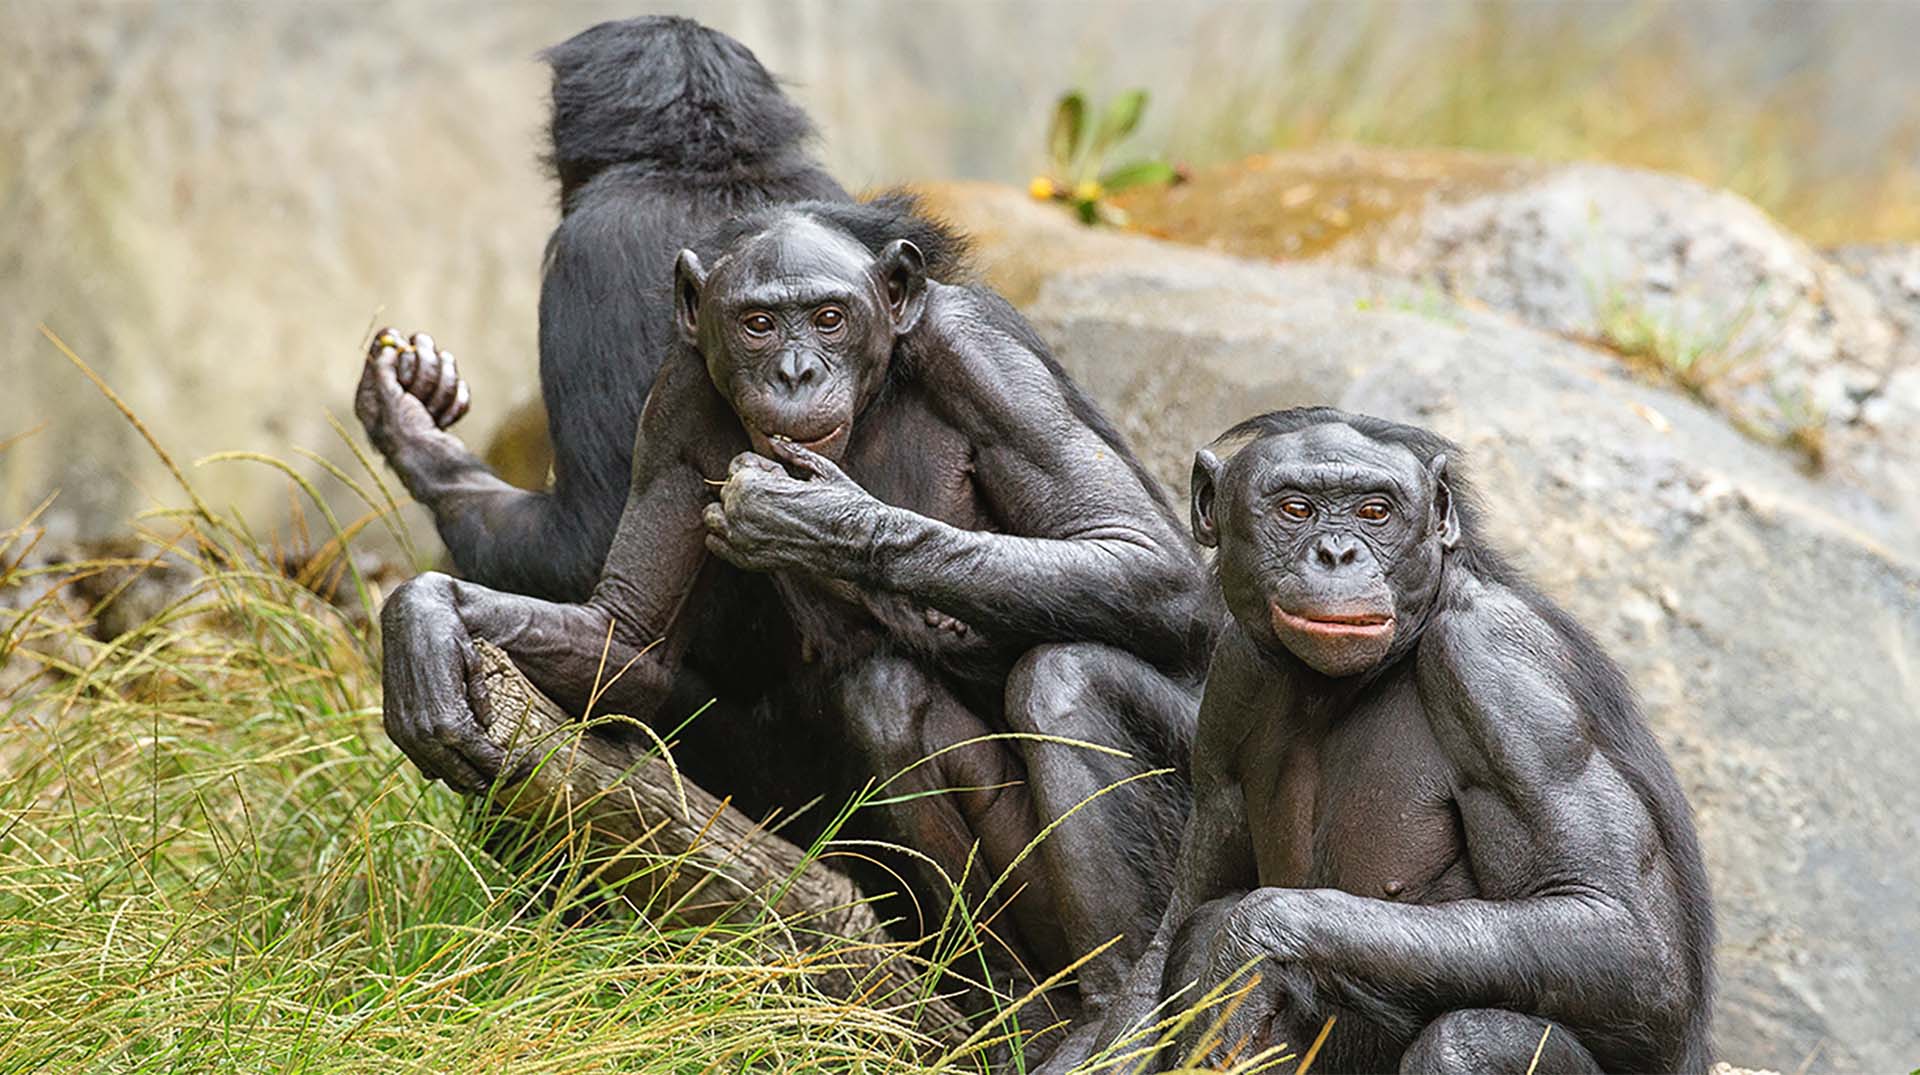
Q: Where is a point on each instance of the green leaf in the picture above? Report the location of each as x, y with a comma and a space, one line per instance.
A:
1120, 118
1069, 124
1136, 174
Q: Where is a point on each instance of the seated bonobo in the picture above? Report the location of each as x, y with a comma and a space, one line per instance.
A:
1425, 803
962, 566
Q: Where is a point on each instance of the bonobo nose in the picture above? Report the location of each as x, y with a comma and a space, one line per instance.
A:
1336, 552
797, 370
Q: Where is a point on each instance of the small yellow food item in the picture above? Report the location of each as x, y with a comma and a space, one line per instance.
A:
1041, 188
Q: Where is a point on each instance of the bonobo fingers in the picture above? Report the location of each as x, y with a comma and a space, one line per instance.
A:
752, 461
385, 339
426, 370
805, 458
447, 393
429, 709
457, 407
389, 412
943, 622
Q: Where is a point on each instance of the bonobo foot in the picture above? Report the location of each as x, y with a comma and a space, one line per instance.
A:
1484, 1041
408, 388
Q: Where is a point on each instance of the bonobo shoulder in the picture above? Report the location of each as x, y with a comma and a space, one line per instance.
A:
971, 336
1491, 665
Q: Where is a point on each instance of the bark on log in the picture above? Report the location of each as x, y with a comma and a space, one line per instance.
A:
677, 852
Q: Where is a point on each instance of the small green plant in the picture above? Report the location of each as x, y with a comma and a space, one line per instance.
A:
1077, 158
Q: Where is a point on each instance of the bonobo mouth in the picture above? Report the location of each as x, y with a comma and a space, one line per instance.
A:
829, 445
1333, 625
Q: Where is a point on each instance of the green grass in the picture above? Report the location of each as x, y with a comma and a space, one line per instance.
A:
212, 860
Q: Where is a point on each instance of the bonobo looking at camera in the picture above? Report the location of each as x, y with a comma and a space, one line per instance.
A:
961, 544
1425, 802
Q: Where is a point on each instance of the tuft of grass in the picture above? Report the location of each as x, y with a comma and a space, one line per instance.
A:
1709, 363
211, 860
1680, 354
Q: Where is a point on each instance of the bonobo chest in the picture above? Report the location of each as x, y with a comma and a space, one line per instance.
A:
1355, 794
905, 456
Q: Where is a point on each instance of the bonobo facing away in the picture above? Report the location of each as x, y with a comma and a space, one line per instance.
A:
1424, 800
961, 543
661, 130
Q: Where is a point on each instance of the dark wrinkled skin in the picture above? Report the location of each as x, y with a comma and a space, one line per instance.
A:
662, 130
1455, 834
702, 132
963, 548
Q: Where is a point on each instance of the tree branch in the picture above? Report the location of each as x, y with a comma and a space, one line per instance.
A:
681, 854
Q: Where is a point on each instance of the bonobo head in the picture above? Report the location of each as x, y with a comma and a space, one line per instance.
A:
797, 322
1332, 540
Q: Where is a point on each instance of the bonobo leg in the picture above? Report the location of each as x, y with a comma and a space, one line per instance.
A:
1109, 864
1489, 1041
900, 718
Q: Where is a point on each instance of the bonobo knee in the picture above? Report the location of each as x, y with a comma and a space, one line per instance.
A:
880, 699
1048, 687
1491, 1041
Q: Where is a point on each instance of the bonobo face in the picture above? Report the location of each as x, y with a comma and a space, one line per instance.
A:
1331, 543
797, 324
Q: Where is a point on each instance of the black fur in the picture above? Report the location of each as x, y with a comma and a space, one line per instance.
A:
662, 129
1616, 725
666, 96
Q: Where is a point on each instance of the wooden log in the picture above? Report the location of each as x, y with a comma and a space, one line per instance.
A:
678, 853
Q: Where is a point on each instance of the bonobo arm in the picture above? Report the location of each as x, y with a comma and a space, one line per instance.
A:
1093, 556
618, 650
1580, 918
1216, 852
592, 324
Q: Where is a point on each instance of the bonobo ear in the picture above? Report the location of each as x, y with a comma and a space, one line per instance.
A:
688, 280
903, 275
1206, 478
1446, 520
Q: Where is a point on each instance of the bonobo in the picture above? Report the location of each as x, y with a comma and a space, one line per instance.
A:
1425, 802
962, 544
661, 130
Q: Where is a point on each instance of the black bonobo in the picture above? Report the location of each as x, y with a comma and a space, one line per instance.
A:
661, 130
962, 544
1425, 803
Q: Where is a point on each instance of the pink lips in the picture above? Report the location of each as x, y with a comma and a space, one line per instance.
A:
1333, 625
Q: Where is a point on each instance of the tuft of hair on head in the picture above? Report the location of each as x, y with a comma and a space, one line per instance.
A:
666, 95
889, 215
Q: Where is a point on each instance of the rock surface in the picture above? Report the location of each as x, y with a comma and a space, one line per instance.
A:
1770, 624
1694, 286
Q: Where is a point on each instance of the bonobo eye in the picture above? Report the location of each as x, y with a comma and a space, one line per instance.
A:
1296, 508
829, 319
757, 323
1373, 511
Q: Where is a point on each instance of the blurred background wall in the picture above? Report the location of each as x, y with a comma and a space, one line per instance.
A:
212, 203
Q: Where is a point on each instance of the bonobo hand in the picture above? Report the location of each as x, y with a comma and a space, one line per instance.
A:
430, 712
1262, 936
768, 520
408, 389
